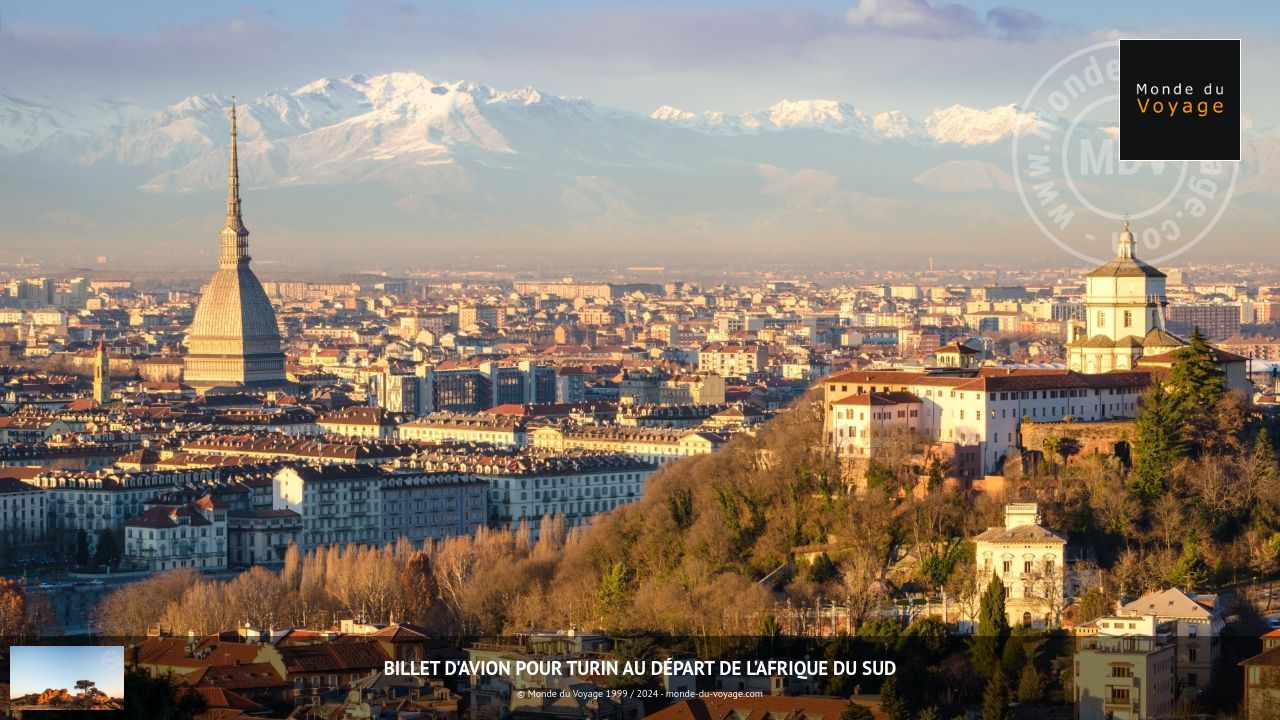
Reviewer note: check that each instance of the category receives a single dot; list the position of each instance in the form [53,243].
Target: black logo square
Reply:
[1179,99]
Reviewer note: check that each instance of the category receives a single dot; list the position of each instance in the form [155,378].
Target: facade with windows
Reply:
[190,535]
[1029,561]
[1125,671]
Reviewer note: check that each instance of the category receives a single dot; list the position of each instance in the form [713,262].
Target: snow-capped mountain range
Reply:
[441,160]
[356,128]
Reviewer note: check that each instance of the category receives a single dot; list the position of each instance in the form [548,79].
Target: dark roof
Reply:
[1126,267]
[326,657]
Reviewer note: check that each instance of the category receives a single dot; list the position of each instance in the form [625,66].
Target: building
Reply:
[234,340]
[653,445]
[1262,680]
[339,504]
[177,535]
[101,375]
[1030,561]
[971,416]
[1197,622]
[427,506]
[1125,671]
[374,423]
[506,430]
[23,517]
[1124,314]
[257,535]
[1217,321]
[733,359]
[527,488]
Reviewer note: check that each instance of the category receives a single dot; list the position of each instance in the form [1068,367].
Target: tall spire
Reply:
[235,236]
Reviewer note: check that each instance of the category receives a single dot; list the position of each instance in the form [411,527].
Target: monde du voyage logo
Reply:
[1141,131]
[1180,100]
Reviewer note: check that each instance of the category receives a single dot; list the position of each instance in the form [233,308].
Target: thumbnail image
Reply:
[55,677]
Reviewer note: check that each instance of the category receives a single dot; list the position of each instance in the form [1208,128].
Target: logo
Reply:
[1071,180]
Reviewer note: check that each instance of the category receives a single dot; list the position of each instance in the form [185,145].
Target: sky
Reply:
[34,669]
[909,55]
[913,56]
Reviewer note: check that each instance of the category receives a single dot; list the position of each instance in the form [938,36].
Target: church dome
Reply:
[1125,263]
[233,340]
[234,308]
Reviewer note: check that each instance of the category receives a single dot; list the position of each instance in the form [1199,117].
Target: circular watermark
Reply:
[1077,190]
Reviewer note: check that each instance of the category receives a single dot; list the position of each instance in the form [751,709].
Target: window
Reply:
[1119,694]
[1128,318]
[1102,317]
[1008,565]
[1026,567]
[1122,671]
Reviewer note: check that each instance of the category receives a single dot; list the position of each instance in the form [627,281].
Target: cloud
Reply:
[1013,23]
[917,18]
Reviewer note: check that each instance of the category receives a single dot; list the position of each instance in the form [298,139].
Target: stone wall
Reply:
[1111,437]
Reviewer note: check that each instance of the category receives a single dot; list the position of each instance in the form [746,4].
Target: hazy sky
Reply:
[34,669]
[910,55]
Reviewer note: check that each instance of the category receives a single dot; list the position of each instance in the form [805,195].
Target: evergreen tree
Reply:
[822,569]
[1190,571]
[892,701]
[1196,377]
[993,626]
[82,548]
[1198,384]
[995,700]
[1159,427]
[1030,688]
[108,552]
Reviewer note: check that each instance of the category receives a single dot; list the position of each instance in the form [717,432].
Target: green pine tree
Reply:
[1198,384]
[1190,571]
[995,699]
[82,548]
[1159,428]
[108,551]
[1030,688]
[993,626]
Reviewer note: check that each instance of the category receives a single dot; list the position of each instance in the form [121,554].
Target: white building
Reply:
[1125,671]
[975,413]
[527,488]
[172,536]
[339,504]
[1029,560]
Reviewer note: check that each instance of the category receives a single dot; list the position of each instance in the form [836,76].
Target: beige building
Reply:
[1197,623]
[1124,314]
[1125,671]
[732,359]
[1262,680]
[339,504]
[508,430]
[649,444]
[1029,560]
